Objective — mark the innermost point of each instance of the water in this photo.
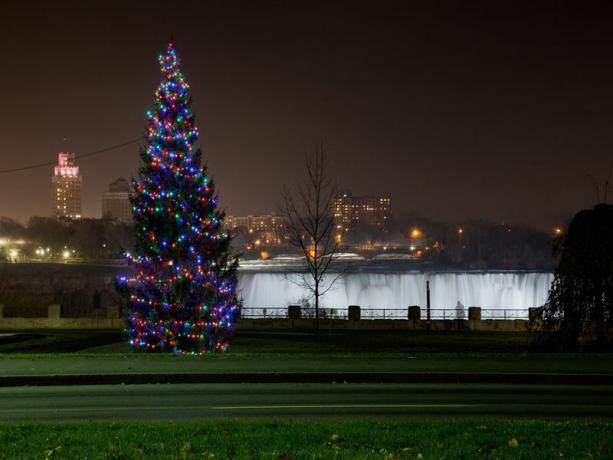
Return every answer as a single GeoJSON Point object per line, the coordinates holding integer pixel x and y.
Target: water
{"type": "Point", "coordinates": [454, 291]}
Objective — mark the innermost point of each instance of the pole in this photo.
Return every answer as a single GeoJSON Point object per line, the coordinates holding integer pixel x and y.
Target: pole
{"type": "Point", "coordinates": [428, 306]}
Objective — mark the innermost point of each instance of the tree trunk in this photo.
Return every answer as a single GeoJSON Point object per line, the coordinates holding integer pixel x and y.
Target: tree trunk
{"type": "Point", "coordinates": [316, 305]}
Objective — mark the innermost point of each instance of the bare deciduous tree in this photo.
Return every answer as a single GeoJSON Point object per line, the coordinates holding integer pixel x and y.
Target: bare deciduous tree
{"type": "Point", "coordinates": [601, 198]}
{"type": "Point", "coordinates": [308, 208]}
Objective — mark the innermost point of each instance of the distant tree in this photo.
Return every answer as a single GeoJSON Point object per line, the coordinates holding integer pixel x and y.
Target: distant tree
{"type": "Point", "coordinates": [11, 228]}
{"type": "Point", "coordinates": [308, 208]}
{"type": "Point", "coordinates": [580, 302]}
{"type": "Point", "coordinates": [117, 237]}
{"type": "Point", "coordinates": [485, 245]}
{"type": "Point", "coordinates": [49, 232]}
{"type": "Point", "coordinates": [88, 237]}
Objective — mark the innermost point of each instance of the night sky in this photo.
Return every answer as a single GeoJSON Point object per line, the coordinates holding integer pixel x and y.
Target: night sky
{"type": "Point", "coordinates": [456, 110]}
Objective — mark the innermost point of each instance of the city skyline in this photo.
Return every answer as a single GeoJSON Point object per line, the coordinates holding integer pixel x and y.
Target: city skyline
{"type": "Point", "coordinates": [458, 128]}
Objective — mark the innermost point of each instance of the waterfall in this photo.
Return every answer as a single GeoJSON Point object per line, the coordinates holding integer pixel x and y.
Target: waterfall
{"type": "Point", "coordinates": [376, 291]}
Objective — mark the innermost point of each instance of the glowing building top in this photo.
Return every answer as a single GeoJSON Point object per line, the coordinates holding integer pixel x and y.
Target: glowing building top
{"type": "Point", "coordinates": [66, 165]}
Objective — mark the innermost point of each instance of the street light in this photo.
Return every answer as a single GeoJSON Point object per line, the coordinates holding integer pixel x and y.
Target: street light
{"type": "Point", "coordinates": [416, 233]}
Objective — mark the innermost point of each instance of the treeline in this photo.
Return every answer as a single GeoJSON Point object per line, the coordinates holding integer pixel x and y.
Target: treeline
{"type": "Point", "coordinates": [484, 245]}
{"type": "Point", "coordinates": [89, 238]}
{"type": "Point", "coordinates": [476, 244]}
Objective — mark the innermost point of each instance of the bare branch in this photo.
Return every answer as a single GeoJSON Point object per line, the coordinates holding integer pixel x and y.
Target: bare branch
{"type": "Point", "coordinates": [308, 208]}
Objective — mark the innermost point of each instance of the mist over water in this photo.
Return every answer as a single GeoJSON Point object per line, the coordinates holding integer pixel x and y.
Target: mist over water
{"type": "Point", "coordinates": [489, 290]}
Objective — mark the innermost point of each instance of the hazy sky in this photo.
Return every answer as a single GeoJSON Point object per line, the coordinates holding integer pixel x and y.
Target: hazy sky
{"type": "Point", "coordinates": [456, 110]}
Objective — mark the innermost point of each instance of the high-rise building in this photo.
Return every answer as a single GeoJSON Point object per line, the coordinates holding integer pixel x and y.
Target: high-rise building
{"type": "Point", "coordinates": [116, 202]}
{"type": "Point", "coordinates": [66, 187]}
{"type": "Point", "coordinates": [350, 210]}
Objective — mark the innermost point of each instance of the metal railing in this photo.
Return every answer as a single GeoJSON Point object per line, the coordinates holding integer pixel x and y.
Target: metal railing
{"type": "Point", "coordinates": [486, 313]}
{"type": "Point", "coordinates": [263, 313]}
{"type": "Point", "coordinates": [387, 313]}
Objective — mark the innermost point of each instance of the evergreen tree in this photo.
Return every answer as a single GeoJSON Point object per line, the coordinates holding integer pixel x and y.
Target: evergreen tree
{"type": "Point", "coordinates": [181, 288]}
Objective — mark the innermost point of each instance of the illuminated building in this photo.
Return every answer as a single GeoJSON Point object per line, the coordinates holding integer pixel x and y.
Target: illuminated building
{"type": "Point", "coordinates": [116, 202]}
{"type": "Point", "coordinates": [66, 185]}
{"type": "Point", "coordinates": [263, 230]}
{"type": "Point", "coordinates": [351, 210]}
{"type": "Point", "coordinates": [262, 223]}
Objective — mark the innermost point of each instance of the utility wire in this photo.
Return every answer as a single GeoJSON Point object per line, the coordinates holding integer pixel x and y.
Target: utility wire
{"type": "Point", "coordinates": [89, 154]}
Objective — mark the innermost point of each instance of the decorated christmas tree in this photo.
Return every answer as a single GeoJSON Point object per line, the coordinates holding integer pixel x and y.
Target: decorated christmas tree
{"type": "Point", "coordinates": [180, 292]}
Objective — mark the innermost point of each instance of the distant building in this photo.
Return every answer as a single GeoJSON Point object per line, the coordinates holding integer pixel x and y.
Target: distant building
{"type": "Point", "coordinates": [116, 202]}
{"type": "Point", "coordinates": [262, 223]}
{"type": "Point", "coordinates": [352, 210]}
{"type": "Point", "coordinates": [259, 231]}
{"type": "Point", "coordinates": [66, 185]}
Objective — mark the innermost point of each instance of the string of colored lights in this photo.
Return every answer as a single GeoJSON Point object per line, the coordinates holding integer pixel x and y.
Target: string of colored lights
{"type": "Point", "coordinates": [182, 288]}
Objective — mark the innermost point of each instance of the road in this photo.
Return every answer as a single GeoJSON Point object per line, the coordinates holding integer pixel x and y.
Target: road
{"type": "Point", "coordinates": [199, 401]}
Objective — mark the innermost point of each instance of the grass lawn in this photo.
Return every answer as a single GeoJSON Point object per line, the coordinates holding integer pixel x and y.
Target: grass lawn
{"type": "Point", "coordinates": [96, 363]}
{"type": "Point", "coordinates": [113, 341]}
{"type": "Point", "coordinates": [72, 352]}
{"type": "Point", "coordinates": [342, 439]}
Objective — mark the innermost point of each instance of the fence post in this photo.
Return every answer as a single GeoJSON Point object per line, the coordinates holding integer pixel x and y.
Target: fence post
{"type": "Point", "coordinates": [414, 313]}
{"type": "Point", "coordinates": [294, 312]}
{"type": "Point", "coordinates": [535, 317]}
{"type": "Point", "coordinates": [54, 311]}
{"type": "Point", "coordinates": [354, 312]}
{"type": "Point", "coordinates": [474, 313]}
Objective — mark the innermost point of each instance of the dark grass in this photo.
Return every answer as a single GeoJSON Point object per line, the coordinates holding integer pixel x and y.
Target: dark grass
{"type": "Point", "coordinates": [341, 439]}
{"type": "Point", "coordinates": [113, 341]}
{"type": "Point", "coordinates": [117, 363]}
{"type": "Point", "coordinates": [72, 352]}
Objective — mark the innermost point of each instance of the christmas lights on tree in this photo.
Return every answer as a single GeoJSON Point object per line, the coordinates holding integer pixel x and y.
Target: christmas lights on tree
{"type": "Point", "coordinates": [181, 293]}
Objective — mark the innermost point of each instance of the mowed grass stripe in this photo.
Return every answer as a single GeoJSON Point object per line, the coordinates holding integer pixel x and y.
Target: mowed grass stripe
{"type": "Point", "coordinates": [339, 439]}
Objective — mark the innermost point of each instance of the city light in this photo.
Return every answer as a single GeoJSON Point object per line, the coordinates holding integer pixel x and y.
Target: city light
{"type": "Point", "coordinates": [66, 254]}
{"type": "Point", "coordinates": [416, 233]}
{"type": "Point", "coordinates": [460, 231]}
{"type": "Point", "coordinates": [557, 231]}
{"type": "Point", "coordinates": [264, 255]}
